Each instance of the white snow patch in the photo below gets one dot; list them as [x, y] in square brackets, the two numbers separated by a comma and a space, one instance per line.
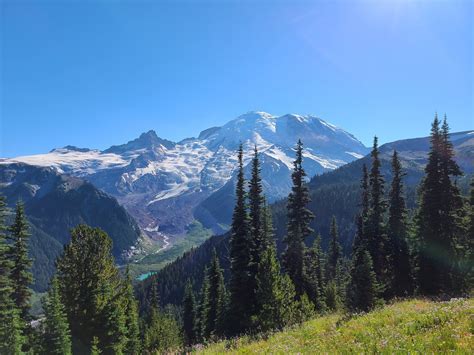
[355, 155]
[278, 154]
[328, 125]
[79, 163]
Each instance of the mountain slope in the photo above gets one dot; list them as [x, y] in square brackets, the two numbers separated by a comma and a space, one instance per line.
[162, 183]
[415, 326]
[54, 204]
[334, 193]
[217, 208]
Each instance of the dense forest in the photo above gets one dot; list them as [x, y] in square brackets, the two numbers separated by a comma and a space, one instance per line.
[248, 281]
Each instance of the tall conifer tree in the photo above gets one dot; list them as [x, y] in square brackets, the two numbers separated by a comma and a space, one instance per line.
[267, 231]
[334, 251]
[56, 334]
[203, 309]
[315, 266]
[241, 287]
[257, 242]
[256, 201]
[375, 230]
[437, 223]
[21, 271]
[275, 294]
[360, 239]
[132, 345]
[11, 338]
[216, 299]
[364, 185]
[453, 204]
[298, 229]
[363, 289]
[400, 268]
[189, 315]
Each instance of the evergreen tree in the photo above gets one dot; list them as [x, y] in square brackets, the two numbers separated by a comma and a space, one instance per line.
[257, 243]
[114, 323]
[364, 184]
[215, 298]
[375, 230]
[91, 289]
[342, 278]
[363, 290]
[400, 268]
[275, 294]
[56, 335]
[304, 309]
[267, 242]
[331, 293]
[203, 309]
[315, 267]
[241, 285]
[154, 297]
[256, 203]
[21, 274]
[268, 230]
[334, 252]
[162, 333]
[298, 229]
[360, 239]
[132, 345]
[437, 220]
[189, 315]
[11, 338]
[452, 218]
[470, 238]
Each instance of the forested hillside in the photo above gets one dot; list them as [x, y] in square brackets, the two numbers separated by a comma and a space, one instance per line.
[335, 193]
[54, 204]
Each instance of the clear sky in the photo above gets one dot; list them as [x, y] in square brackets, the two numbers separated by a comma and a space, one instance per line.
[97, 73]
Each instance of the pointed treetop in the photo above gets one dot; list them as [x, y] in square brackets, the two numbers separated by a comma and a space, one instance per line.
[376, 142]
[435, 125]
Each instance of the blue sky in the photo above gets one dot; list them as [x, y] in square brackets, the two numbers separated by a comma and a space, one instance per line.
[97, 73]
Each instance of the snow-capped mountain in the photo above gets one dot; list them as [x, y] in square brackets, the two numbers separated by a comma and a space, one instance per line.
[161, 182]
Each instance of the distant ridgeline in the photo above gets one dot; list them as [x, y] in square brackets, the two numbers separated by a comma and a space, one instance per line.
[335, 193]
[163, 183]
[55, 203]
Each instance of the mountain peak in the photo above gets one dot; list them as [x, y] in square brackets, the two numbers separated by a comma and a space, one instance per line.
[151, 133]
[254, 116]
[70, 148]
[146, 140]
[208, 132]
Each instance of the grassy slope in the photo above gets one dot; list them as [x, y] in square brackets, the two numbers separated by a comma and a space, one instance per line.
[408, 326]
